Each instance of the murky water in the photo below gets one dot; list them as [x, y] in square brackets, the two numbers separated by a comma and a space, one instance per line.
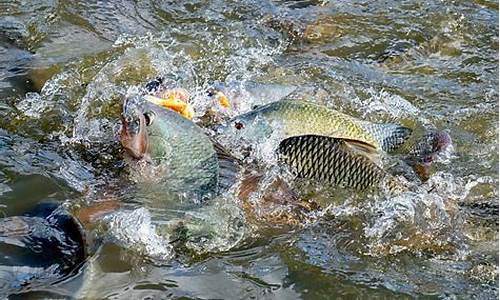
[65, 66]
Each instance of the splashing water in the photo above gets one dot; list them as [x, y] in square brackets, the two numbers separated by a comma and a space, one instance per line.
[135, 230]
[432, 66]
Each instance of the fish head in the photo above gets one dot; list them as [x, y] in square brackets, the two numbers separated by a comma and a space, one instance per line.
[252, 127]
[147, 128]
[427, 150]
[431, 145]
[442, 141]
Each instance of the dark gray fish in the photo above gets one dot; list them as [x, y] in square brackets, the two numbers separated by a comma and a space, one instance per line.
[424, 151]
[39, 249]
[427, 147]
[333, 160]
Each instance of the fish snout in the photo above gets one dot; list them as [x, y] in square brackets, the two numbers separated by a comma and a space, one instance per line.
[134, 143]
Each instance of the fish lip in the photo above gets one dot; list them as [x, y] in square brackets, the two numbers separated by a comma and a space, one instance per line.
[134, 144]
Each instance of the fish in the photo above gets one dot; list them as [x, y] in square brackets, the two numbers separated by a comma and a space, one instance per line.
[345, 162]
[296, 118]
[277, 121]
[39, 249]
[333, 160]
[178, 99]
[429, 145]
[194, 162]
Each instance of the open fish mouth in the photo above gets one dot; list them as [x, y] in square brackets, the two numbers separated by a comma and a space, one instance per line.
[133, 136]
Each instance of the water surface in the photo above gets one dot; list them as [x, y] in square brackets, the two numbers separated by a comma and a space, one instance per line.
[65, 66]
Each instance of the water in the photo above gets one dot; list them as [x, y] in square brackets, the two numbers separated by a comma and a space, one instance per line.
[65, 66]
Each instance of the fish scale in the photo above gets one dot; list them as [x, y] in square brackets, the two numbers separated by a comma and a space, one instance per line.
[389, 136]
[329, 159]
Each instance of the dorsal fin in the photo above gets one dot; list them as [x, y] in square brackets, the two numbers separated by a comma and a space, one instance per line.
[229, 167]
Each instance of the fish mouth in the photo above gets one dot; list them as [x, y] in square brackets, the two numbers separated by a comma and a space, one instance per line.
[134, 142]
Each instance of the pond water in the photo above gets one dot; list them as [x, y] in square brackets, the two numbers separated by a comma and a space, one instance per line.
[66, 65]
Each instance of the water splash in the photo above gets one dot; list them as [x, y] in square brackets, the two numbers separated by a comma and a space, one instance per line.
[135, 230]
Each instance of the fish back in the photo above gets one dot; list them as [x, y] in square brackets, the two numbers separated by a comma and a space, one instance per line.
[307, 118]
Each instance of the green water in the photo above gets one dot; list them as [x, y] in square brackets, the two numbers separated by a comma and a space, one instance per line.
[65, 66]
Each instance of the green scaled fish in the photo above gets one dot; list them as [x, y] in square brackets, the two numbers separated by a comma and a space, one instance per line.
[192, 161]
[294, 118]
[332, 160]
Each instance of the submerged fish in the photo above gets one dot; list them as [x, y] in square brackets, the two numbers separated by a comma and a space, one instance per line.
[294, 118]
[192, 161]
[336, 161]
[39, 249]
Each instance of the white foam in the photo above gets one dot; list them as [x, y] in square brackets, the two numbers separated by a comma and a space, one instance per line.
[134, 230]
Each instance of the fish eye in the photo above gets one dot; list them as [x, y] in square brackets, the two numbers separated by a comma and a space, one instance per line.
[149, 117]
[239, 125]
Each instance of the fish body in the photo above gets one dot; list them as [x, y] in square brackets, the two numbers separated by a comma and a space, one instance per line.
[330, 160]
[295, 118]
[185, 149]
[166, 139]
[346, 163]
